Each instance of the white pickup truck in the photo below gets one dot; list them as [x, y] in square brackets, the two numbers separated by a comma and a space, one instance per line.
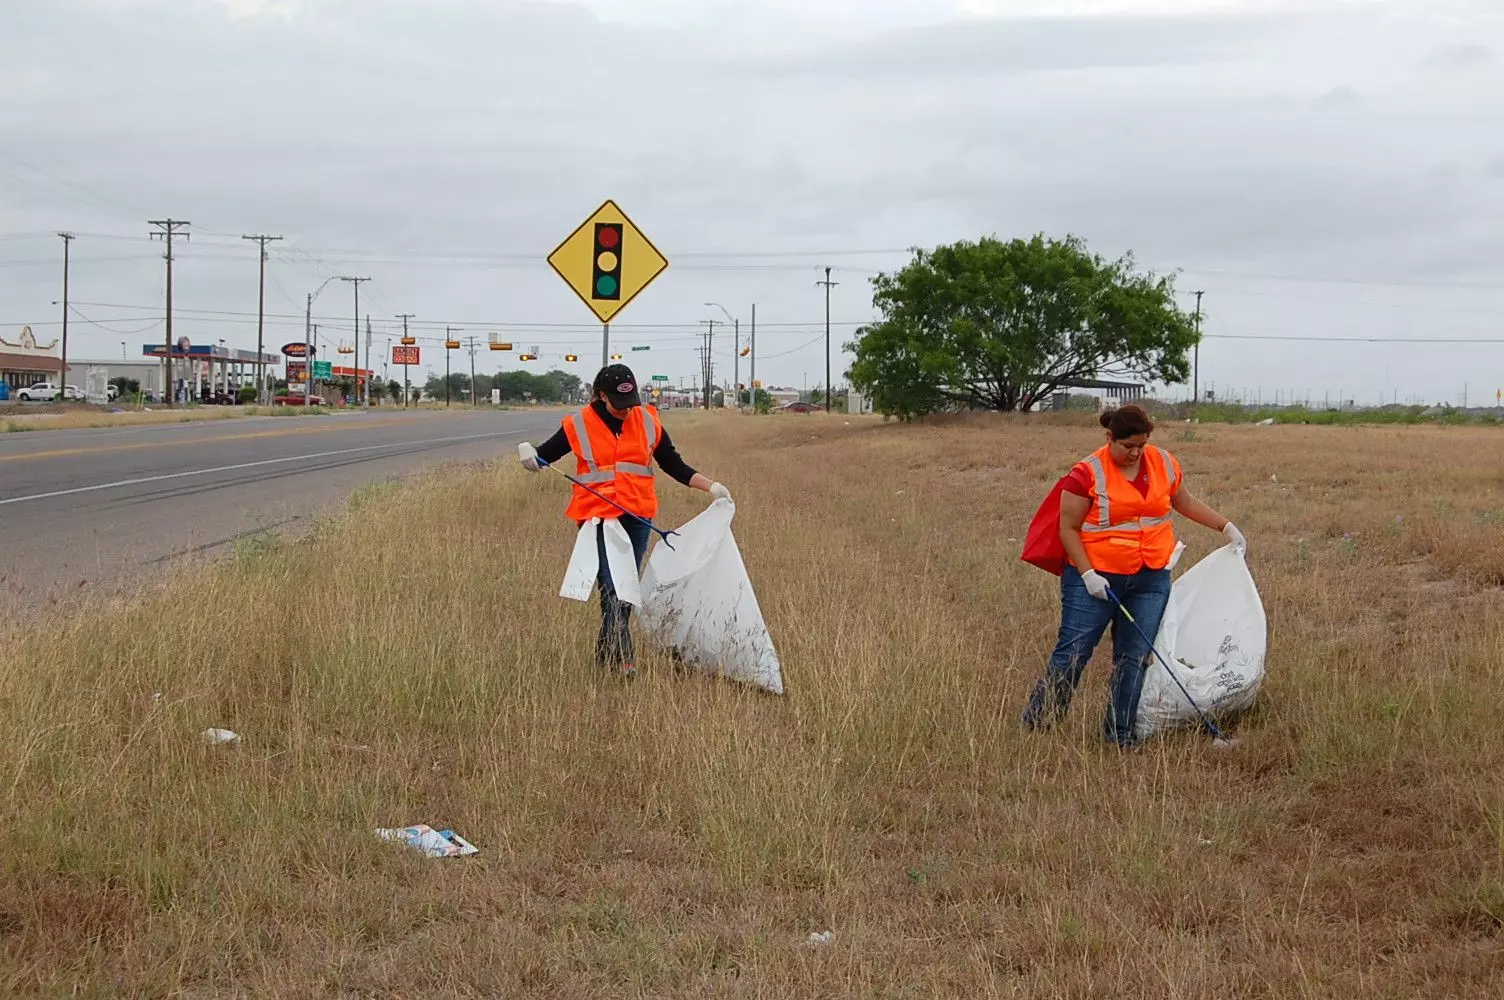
[46, 392]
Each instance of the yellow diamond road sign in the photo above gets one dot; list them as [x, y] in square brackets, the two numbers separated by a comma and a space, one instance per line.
[607, 261]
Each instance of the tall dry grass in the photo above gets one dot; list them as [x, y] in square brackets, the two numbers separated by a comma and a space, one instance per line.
[681, 837]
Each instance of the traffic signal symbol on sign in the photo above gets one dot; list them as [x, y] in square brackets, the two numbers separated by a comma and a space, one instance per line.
[607, 261]
[605, 279]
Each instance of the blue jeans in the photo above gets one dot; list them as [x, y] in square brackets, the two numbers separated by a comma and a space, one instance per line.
[613, 647]
[1083, 619]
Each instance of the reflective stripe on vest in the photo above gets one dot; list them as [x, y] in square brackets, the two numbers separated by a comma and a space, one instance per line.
[1104, 503]
[651, 426]
[587, 453]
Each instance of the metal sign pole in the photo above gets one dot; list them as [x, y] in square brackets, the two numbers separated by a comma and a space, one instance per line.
[605, 344]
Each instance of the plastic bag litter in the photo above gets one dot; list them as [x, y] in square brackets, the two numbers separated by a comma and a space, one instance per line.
[213, 735]
[698, 603]
[434, 843]
[584, 563]
[1215, 635]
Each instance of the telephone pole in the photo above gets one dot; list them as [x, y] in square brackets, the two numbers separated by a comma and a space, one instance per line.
[828, 286]
[472, 371]
[67, 239]
[372, 373]
[707, 363]
[355, 282]
[752, 376]
[406, 388]
[1196, 357]
[167, 231]
[261, 242]
[448, 339]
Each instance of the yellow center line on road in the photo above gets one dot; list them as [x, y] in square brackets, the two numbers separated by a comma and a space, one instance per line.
[287, 432]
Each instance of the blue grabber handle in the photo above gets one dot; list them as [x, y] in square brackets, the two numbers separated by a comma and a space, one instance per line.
[651, 526]
[1211, 727]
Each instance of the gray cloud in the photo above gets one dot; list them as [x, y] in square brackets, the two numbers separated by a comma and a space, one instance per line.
[1459, 56]
[1006, 47]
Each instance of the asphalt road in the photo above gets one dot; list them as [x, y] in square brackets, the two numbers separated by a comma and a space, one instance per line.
[92, 510]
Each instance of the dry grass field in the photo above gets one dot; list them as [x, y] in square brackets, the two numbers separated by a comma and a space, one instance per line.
[682, 837]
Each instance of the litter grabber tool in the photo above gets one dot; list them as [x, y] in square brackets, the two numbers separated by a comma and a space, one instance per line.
[1220, 740]
[661, 533]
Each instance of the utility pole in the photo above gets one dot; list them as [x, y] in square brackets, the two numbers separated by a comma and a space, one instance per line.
[1196, 358]
[707, 364]
[356, 283]
[752, 376]
[736, 361]
[372, 372]
[828, 286]
[261, 242]
[448, 339]
[472, 371]
[406, 388]
[67, 239]
[167, 231]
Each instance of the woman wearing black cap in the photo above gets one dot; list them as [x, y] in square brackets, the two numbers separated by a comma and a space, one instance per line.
[616, 440]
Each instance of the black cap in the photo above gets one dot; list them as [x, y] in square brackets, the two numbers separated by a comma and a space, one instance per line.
[619, 385]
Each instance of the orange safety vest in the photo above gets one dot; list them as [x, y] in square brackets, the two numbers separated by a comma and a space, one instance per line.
[617, 467]
[1126, 531]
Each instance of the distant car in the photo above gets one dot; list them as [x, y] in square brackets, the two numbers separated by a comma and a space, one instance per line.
[47, 392]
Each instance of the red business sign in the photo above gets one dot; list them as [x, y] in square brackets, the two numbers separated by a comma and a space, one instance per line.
[405, 355]
[298, 350]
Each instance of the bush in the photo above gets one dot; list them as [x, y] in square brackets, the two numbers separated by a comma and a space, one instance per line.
[247, 394]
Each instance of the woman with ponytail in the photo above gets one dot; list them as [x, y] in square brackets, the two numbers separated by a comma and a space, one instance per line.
[1116, 529]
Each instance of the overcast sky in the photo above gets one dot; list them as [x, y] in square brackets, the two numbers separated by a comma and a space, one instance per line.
[1320, 170]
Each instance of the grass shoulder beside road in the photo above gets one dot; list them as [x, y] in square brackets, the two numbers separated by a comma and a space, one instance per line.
[682, 837]
[20, 418]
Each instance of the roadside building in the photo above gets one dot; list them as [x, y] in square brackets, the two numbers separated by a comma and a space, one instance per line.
[25, 362]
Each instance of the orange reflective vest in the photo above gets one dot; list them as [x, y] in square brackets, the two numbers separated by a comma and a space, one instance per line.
[1126, 531]
[617, 467]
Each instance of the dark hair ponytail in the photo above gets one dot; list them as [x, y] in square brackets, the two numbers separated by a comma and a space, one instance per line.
[1127, 421]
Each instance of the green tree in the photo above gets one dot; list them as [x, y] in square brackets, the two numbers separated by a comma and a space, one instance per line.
[394, 390]
[1000, 326]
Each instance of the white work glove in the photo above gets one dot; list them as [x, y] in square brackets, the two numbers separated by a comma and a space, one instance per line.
[719, 492]
[1235, 536]
[1096, 584]
[529, 456]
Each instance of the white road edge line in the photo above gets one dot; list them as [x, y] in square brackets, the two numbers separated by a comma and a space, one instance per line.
[248, 465]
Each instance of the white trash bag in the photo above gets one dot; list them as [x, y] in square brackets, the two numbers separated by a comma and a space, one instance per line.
[698, 602]
[580, 576]
[1215, 635]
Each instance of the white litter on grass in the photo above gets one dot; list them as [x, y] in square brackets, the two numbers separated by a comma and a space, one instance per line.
[219, 736]
[433, 843]
[819, 939]
[1267, 423]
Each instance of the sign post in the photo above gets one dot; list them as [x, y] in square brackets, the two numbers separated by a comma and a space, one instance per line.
[607, 261]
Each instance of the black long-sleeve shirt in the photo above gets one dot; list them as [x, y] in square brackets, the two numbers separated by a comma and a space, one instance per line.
[666, 455]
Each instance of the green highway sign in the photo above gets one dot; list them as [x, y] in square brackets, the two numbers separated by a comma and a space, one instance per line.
[323, 369]
[660, 378]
